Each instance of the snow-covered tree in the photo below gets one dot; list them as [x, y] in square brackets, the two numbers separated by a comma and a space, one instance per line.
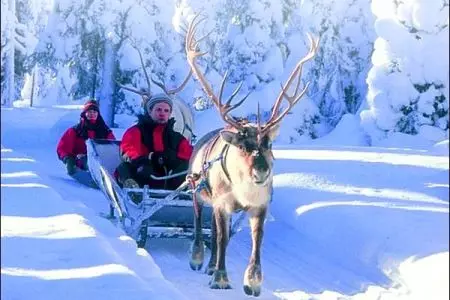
[338, 72]
[248, 47]
[151, 29]
[17, 43]
[408, 85]
[34, 15]
[79, 47]
[243, 40]
[111, 17]
[60, 56]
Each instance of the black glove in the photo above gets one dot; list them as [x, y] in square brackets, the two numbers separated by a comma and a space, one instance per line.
[142, 166]
[158, 159]
[70, 163]
[144, 170]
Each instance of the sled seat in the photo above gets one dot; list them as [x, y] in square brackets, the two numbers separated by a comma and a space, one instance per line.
[175, 215]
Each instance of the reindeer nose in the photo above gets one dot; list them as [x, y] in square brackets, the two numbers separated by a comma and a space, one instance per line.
[260, 163]
[260, 177]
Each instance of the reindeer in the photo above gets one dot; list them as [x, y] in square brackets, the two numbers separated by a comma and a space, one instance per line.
[180, 110]
[243, 178]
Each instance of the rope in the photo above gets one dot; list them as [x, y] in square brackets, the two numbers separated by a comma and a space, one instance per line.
[168, 176]
[191, 178]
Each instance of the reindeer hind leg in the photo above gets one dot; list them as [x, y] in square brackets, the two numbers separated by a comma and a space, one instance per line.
[219, 278]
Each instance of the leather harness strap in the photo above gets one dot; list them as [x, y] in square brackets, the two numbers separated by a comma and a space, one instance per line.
[203, 174]
[222, 158]
[208, 150]
[223, 155]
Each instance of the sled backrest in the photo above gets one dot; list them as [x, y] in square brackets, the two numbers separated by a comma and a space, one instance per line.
[108, 154]
[184, 118]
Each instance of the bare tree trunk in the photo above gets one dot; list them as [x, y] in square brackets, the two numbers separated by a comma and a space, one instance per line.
[107, 101]
[33, 80]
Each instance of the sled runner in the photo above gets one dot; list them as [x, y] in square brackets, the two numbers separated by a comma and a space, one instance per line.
[161, 214]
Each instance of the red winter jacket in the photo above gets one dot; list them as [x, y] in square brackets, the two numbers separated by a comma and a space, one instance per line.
[145, 137]
[73, 140]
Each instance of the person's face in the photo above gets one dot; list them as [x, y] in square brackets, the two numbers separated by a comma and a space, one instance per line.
[92, 115]
[160, 112]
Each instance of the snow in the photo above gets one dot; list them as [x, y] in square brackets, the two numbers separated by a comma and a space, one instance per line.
[357, 222]
[360, 213]
[57, 248]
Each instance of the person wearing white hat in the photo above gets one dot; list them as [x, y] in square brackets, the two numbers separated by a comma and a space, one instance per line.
[153, 147]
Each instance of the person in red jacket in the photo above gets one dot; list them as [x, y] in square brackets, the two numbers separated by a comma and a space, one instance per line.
[153, 147]
[71, 147]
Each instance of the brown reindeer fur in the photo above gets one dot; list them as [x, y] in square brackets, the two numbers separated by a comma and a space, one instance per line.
[241, 193]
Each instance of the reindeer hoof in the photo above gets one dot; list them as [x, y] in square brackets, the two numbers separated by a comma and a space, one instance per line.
[195, 265]
[197, 256]
[219, 280]
[252, 290]
[252, 280]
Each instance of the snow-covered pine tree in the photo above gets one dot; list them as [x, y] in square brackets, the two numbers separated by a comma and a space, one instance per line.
[110, 18]
[33, 14]
[17, 43]
[7, 53]
[408, 83]
[63, 67]
[150, 30]
[339, 70]
[249, 45]
[244, 40]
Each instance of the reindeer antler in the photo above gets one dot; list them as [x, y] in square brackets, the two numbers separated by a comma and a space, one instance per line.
[192, 52]
[145, 94]
[175, 90]
[292, 100]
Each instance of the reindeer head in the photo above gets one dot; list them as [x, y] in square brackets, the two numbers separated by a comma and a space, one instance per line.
[252, 155]
[252, 143]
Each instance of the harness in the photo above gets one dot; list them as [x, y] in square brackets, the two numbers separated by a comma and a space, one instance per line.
[206, 165]
[193, 136]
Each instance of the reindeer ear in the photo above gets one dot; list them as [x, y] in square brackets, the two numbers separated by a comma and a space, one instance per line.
[273, 132]
[228, 136]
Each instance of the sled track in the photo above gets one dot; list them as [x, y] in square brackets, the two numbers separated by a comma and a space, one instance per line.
[291, 261]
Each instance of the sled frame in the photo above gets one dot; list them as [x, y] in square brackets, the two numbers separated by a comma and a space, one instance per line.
[137, 219]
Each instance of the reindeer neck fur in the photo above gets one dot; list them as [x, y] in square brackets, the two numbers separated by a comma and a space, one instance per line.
[240, 192]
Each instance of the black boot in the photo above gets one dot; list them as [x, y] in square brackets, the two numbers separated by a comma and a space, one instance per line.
[130, 183]
[69, 161]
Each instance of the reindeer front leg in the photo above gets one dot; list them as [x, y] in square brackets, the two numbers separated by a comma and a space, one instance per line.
[197, 248]
[219, 278]
[253, 273]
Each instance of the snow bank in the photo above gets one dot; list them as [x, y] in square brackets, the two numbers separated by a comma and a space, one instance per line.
[368, 209]
[51, 247]
[348, 132]
[414, 280]
[441, 148]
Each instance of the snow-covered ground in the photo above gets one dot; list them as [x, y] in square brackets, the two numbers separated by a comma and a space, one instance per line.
[348, 222]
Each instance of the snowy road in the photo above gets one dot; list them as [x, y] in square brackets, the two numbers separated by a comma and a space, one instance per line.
[341, 220]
